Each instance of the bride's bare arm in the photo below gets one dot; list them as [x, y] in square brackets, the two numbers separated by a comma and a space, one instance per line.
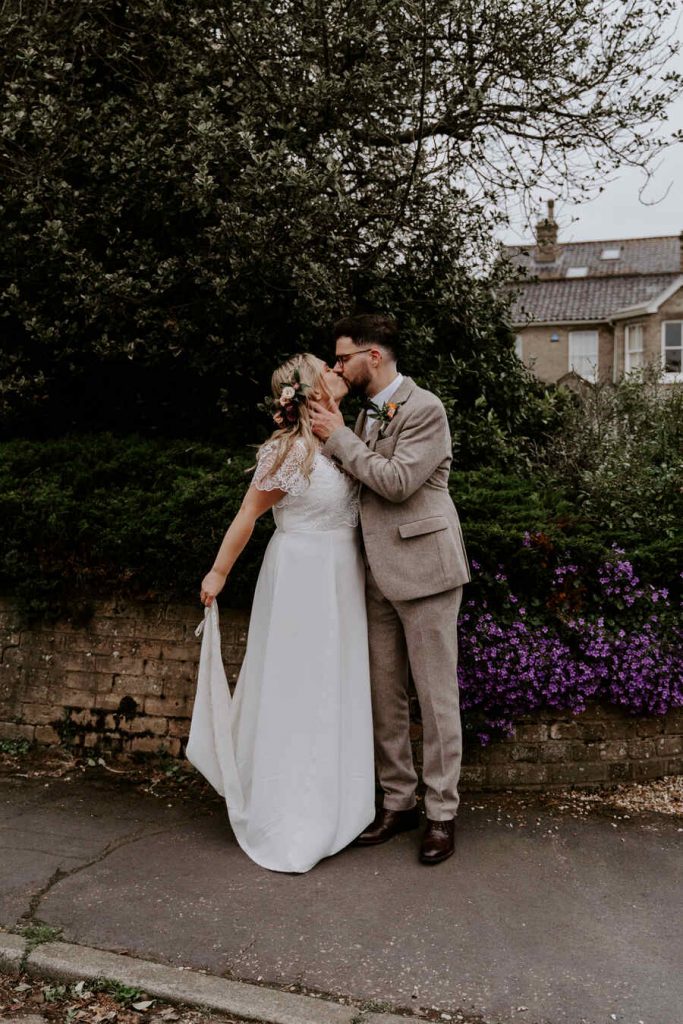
[255, 503]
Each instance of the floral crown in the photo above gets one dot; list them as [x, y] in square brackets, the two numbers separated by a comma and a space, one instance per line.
[285, 408]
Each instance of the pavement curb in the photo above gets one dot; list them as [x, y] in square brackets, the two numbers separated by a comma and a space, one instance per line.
[64, 961]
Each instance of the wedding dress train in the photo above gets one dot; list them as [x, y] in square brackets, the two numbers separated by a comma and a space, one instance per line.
[292, 751]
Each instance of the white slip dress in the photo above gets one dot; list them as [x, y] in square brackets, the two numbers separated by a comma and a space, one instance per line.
[292, 750]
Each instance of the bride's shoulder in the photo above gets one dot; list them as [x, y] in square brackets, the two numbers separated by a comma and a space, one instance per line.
[275, 447]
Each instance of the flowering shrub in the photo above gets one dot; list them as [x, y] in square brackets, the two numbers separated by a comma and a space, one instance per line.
[615, 640]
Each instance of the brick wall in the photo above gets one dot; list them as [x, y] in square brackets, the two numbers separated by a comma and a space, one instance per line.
[550, 359]
[125, 683]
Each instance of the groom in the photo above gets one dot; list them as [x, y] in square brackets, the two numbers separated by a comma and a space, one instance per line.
[400, 451]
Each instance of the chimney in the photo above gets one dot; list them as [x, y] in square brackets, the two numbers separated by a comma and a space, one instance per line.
[546, 236]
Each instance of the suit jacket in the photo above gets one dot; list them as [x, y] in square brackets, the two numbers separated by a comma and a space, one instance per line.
[411, 530]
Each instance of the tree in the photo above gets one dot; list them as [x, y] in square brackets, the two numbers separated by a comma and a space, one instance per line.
[193, 189]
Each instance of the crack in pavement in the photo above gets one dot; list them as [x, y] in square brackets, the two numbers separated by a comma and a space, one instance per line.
[29, 916]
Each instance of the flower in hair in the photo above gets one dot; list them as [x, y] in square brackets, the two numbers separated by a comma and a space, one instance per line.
[284, 408]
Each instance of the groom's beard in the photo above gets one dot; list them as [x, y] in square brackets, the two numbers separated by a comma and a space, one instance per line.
[359, 388]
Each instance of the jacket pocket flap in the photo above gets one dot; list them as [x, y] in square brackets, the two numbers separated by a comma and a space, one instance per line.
[420, 526]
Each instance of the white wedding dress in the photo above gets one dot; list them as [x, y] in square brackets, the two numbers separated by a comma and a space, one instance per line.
[292, 751]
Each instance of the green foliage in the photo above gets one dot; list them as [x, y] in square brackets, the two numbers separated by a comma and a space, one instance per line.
[36, 934]
[98, 514]
[193, 191]
[618, 451]
[91, 514]
[16, 748]
[124, 994]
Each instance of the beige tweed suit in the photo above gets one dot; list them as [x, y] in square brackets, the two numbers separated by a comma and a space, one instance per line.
[416, 567]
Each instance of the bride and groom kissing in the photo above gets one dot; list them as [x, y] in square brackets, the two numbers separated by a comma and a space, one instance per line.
[360, 587]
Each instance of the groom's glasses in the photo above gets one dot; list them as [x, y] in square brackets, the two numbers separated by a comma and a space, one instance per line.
[344, 359]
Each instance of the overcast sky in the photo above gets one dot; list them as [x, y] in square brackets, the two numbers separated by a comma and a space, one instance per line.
[619, 212]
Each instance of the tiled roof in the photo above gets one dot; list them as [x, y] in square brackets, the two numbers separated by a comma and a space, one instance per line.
[637, 256]
[644, 269]
[586, 298]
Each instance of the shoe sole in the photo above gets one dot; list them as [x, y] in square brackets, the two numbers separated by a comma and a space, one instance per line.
[429, 861]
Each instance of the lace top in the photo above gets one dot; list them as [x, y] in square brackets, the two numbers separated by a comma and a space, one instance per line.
[328, 500]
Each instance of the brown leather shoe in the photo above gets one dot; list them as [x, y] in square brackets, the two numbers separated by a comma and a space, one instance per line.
[388, 824]
[438, 841]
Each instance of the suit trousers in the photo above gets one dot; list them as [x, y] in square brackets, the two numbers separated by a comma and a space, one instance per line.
[420, 636]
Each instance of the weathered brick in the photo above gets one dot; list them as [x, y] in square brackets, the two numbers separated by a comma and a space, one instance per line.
[146, 744]
[591, 732]
[655, 768]
[178, 689]
[415, 730]
[524, 752]
[472, 776]
[622, 728]
[665, 745]
[146, 723]
[174, 745]
[136, 686]
[640, 749]
[581, 751]
[179, 727]
[40, 714]
[89, 682]
[674, 721]
[171, 670]
[497, 753]
[563, 730]
[531, 732]
[650, 726]
[89, 699]
[169, 707]
[620, 771]
[516, 774]
[613, 750]
[46, 734]
[555, 751]
[16, 731]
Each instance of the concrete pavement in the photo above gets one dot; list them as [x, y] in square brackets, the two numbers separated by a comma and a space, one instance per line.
[542, 916]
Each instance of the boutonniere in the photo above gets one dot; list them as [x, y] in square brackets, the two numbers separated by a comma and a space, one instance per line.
[384, 414]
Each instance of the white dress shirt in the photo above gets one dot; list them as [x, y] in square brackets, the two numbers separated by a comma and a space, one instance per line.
[379, 400]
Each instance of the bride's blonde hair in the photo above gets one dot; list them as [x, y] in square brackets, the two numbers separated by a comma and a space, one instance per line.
[311, 375]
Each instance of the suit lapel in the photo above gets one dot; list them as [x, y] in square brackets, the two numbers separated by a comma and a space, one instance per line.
[402, 394]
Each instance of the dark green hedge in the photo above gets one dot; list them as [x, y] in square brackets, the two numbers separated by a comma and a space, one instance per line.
[89, 516]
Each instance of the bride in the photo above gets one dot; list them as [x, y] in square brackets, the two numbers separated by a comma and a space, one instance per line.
[292, 751]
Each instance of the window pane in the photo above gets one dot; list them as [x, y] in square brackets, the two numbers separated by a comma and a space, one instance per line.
[583, 353]
[672, 360]
[672, 335]
[634, 338]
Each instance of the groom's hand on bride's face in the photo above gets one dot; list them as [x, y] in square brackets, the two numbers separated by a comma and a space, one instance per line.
[325, 419]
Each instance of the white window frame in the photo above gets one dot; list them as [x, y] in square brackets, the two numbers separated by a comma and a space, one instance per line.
[671, 377]
[573, 337]
[519, 347]
[629, 351]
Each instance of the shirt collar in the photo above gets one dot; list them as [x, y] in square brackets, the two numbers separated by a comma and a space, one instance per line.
[385, 395]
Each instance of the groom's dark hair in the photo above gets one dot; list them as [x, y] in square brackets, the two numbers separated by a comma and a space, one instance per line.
[370, 329]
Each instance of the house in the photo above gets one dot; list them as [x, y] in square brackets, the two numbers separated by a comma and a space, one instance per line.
[598, 309]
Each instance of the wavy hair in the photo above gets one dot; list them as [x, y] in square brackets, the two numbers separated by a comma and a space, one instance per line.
[310, 370]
